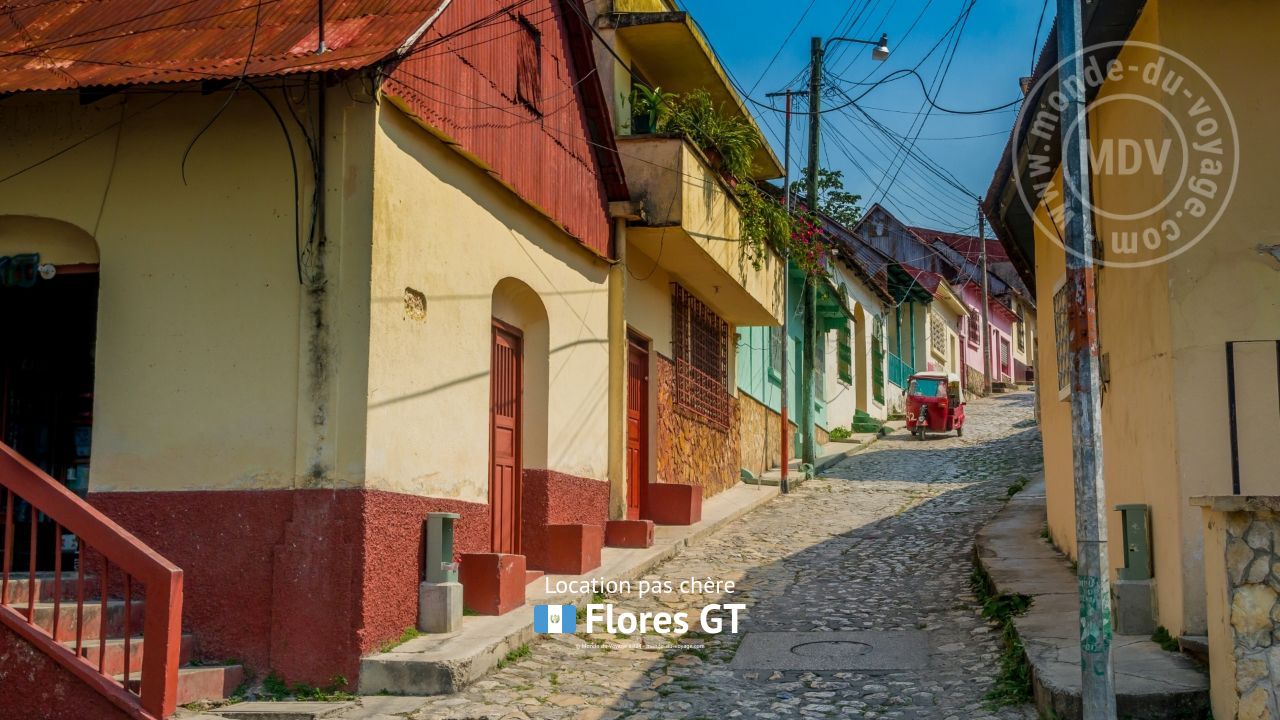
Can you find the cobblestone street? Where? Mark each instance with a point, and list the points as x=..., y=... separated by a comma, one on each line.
x=882, y=541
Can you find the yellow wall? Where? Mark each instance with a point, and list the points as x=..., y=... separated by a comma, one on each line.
x=445, y=229
x=199, y=343
x=1163, y=328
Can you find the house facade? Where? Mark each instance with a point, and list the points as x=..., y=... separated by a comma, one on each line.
x=688, y=286
x=1188, y=378
x=336, y=288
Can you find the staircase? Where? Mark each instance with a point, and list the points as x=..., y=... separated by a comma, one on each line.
x=80, y=629
x=115, y=621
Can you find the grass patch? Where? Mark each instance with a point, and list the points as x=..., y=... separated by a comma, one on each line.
x=1166, y=641
x=1013, y=680
x=1018, y=485
x=468, y=612
x=410, y=633
x=275, y=688
x=840, y=433
x=1044, y=533
x=554, y=678
x=515, y=656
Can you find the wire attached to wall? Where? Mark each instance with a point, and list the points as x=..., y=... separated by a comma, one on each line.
x=244, y=71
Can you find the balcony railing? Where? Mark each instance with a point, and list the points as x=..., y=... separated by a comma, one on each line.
x=63, y=618
x=899, y=371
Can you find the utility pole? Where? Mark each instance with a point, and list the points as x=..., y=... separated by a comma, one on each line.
x=986, y=304
x=809, y=451
x=785, y=438
x=817, y=49
x=1098, y=680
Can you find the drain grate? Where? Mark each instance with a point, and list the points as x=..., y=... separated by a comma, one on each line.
x=862, y=650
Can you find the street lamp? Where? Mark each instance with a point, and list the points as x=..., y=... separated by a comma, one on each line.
x=879, y=48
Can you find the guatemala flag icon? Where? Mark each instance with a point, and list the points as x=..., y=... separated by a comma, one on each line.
x=555, y=619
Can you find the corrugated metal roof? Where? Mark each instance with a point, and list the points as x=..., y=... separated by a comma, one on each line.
x=66, y=44
x=968, y=246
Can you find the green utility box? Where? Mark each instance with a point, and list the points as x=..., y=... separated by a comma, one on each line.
x=439, y=539
x=1136, y=521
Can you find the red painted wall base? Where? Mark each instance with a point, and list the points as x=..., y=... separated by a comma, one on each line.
x=33, y=686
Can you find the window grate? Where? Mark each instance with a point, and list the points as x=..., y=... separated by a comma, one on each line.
x=975, y=327
x=937, y=334
x=700, y=341
x=1062, y=350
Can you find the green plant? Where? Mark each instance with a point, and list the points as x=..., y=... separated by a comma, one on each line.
x=275, y=688
x=650, y=105
x=1013, y=680
x=1166, y=641
x=729, y=141
x=839, y=204
x=1018, y=485
x=515, y=656
x=840, y=433
x=765, y=224
x=410, y=633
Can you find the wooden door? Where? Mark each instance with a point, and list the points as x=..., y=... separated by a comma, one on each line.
x=637, y=426
x=505, y=396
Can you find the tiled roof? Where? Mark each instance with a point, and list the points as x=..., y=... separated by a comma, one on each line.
x=67, y=44
x=967, y=245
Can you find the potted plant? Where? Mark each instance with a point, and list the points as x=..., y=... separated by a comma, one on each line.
x=649, y=109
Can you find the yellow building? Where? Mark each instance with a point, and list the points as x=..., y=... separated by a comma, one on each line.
x=1188, y=299
x=686, y=280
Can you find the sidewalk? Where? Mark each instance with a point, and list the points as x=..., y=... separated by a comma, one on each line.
x=1151, y=684
x=443, y=664
x=831, y=453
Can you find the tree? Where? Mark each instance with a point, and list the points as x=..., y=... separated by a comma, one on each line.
x=837, y=203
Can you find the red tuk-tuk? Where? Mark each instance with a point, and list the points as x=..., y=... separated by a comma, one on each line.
x=935, y=403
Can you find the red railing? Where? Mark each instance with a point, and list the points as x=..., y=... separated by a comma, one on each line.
x=148, y=692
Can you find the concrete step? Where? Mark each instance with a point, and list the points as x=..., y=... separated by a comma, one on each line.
x=283, y=710
x=206, y=682
x=114, y=650
x=94, y=625
x=46, y=586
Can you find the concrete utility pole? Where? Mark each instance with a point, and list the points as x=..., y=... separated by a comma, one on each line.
x=805, y=417
x=986, y=304
x=785, y=438
x=1098, y=680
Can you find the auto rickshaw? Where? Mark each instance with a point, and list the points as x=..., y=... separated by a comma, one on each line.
x=935, y=403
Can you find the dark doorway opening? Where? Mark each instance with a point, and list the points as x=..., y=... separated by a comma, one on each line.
x=46, y=396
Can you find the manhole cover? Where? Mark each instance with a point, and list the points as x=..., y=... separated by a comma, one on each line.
x=858, y=650
x=831, y=648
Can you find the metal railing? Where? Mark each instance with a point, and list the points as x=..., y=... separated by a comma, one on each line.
x=899, y=371
x=1262, y=405
x=44, y=615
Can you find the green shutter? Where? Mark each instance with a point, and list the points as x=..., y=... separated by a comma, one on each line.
x=844, y=355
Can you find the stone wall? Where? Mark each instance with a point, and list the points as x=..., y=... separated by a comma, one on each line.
x=690, y=451
x=761, y=439
x=1242, y=579
x=1253, y=577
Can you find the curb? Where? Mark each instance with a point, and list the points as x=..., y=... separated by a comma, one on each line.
x=1151, y=684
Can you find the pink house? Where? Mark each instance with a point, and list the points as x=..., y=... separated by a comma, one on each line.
x=1002, y=323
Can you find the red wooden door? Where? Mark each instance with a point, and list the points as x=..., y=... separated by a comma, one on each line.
x=505, y=393
x=637, y=426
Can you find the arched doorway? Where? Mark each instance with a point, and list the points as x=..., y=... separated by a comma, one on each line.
x=518, y=389
x=49, y=313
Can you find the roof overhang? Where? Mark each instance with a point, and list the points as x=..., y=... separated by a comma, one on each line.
x=668, y=49
x=1011, y=220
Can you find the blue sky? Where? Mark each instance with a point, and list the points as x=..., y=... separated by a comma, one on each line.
x=995, y=49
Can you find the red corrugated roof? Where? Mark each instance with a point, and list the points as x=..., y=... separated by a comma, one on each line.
x=966, y=245
x=64, y=44
x=924, y=278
